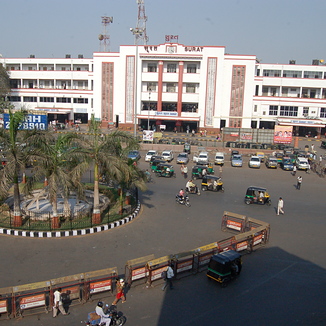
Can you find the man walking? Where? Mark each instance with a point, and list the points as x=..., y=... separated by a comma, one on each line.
x=299, y=181
x=280, y=206
x=169, y=276
x=57, y=305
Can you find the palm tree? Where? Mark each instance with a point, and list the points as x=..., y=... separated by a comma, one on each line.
x=107, y=155
x=59, y=164
x=14, y=143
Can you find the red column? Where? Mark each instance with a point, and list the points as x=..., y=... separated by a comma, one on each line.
x=180, y=84
x=160, y=86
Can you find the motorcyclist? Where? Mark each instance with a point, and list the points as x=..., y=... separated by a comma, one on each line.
x=105, y=318
x=190, y=186
x=181, y=194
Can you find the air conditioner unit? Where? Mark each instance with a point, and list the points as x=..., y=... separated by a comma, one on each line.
x=32, y=56
x=292, y=62
x=80, y=56
x=68, y=56
x=315, y=62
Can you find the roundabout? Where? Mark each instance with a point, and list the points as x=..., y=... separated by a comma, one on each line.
x=274, y=279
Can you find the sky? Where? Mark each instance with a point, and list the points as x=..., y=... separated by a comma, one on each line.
x=276, y=31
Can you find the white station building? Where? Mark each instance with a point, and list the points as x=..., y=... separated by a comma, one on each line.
x=173, y=85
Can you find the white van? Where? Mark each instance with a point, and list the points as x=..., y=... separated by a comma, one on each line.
x=219, y=158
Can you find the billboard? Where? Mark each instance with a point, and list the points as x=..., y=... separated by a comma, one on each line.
x=32, y=121
x=283, y=134
x=148, y=135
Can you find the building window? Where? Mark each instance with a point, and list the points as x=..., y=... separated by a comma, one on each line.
x=289, y=111
x=170, y=88
x=29, y=99
x=191, y=68
x=273, y=110
x=255, y=108
x=63, y=100
x=292, y=73
x=152, y=67
x=190, y=88
x=323, y=112
x=81, y=100
x=305, y=111
x=312, y=74
x=189, y=107
x=171, y=67
x=168, y=106
x=271, y=73
x=14, y=98
x=151, y=87
x=46, y=99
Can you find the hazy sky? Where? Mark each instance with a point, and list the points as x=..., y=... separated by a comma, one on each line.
x=275, y=31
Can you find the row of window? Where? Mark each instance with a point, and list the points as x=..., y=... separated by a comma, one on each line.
x=292, y=111
x=292, y=74
x=43, y=99
x=171, y=87
x=170, y=106
x=172, y=67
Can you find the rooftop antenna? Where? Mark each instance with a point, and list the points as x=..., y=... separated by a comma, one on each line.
x=141, y=21
x=105, y=37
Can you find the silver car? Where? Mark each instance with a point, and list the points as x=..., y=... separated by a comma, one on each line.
x=183, y=158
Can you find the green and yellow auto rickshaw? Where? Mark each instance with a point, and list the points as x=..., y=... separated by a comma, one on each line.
x=165, y=170
x=154, y=164
x=212, y=183
x=257, y=195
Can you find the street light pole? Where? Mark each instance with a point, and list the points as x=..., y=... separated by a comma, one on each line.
x=149, y=107
x=137, y=32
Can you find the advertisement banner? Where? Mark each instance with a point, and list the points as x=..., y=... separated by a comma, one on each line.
x=32, y=301
x=184, y=266
x=32, y=121
x=283, y=134
x=234, y=225
x=139, y=273
x=148, y=135
x=3, y=306
x=100, y=286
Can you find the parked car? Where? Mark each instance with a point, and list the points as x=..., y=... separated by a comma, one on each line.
x=302, y=163
x=254, y=162
x=149, y=155
x=202, y=158
x=134, y=155
x=236, y=160
x=287, y=164
x=168, y=155
x=271, y=162
x=182, y=158
x=156, y=157
x=219, y=158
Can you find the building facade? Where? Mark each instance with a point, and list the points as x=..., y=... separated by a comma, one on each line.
x=172, y=86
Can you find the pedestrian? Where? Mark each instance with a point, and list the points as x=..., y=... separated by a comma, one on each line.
x=120, y=284
x=299, y=181
x=312, y=147
x=193, y=133
x=320, y=159
x=185, y=171
x=182, y=168
x=294, y=171
x=168, y=279
x=221, y=170
x=280, y=205
x=57, y=303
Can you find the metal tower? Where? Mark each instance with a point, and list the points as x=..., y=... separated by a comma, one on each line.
x=105, y=37
x=141, y=21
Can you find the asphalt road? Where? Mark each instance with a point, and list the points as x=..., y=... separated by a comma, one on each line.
x=281, y=284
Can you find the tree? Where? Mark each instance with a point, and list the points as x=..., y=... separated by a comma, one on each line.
x=107, y=154
x=4, y=88
x=14, y=143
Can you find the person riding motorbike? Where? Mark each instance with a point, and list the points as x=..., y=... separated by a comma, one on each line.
x=190, y=186
x=181, y=194
x=105, y=318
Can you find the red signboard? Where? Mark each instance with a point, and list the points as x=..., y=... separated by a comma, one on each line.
x=100, y=286
x=3, y=306
x=156, y=273
x=138, y=273
x=234, y=225
x=242, y=246
x=184, y=266
x=32, y=301
x=203, y=260
x=258, y=239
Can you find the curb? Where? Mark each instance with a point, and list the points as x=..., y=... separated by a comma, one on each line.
x=72, y=233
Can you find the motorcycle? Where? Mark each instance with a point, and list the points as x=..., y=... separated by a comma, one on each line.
x=183, y=201
x=117, y=318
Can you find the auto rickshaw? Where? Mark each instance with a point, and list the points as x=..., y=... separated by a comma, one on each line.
x=257, y=195
x=187, y=148
x=212, y=183
x=197, y=171
x=165, y=170
x=155, y=163
x=224, y=266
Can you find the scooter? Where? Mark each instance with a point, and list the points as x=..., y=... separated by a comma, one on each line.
x=185, y=201
x=117, y=318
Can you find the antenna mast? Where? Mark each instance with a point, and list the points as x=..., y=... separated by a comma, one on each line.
x=141, y=21
x=105, y=37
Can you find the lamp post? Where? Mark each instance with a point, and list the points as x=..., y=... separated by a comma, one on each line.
x=137, y=32
x=149, y=106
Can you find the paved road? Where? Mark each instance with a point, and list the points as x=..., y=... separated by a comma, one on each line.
x=282, y=284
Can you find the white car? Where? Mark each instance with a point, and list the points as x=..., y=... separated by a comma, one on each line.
x=302, y=163
x=149, y=155
x=254, y=162
x=168, y=155
x=202, y=158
